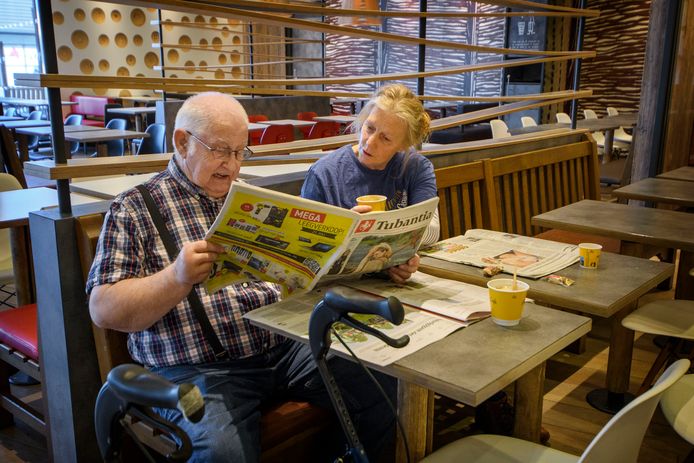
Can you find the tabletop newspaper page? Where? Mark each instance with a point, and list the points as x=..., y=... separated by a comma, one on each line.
x=459, y=303
x=530, y=257
x=294, y=242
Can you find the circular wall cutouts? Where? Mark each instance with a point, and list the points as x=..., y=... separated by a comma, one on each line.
x=131, y=60
x=79, y=39
x=222, y=58
x=121, y=40
x=151, y=59
x=79, y=14
x=172, y=56
x=116, y=16
x=104, y=65
x=122, y=72
x=64, y=53
x=103, y=40
x=86, y=66
x=219, y=74
x=138, y=17
x=98, y=15
x=58, y=18
x=137, y=40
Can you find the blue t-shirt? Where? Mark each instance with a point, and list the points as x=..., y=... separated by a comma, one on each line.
x=339, y=178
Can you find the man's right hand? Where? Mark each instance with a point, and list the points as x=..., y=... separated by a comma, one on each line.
x=195, y=260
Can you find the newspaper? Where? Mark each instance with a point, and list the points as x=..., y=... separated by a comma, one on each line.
x=290, y=318
x=460, y=301
x=294, y=242
x=530, y=257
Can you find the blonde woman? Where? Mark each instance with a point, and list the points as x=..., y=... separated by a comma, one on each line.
x=383, y=162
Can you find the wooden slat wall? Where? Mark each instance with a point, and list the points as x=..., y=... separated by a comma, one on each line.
x=618, y=36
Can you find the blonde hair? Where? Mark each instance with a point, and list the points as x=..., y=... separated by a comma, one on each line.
x=399, y=100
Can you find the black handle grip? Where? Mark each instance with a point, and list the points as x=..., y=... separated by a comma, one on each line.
x=137, y=385
x=350, y=300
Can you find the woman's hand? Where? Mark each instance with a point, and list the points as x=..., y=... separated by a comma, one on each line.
x=361, y=209
x=400, y=273
x=195, y=260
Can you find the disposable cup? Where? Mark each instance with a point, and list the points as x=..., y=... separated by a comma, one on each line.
x=506, y=302
x=377, y=202
x=589, y=255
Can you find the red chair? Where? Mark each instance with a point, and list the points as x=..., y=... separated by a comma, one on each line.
x=277, y=134
x=324, y=129
x=254, y=135
x=306, y=116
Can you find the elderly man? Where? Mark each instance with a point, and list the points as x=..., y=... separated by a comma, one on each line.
x=134, y=287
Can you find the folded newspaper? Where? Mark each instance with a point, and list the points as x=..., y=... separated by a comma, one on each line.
x=294, y=242
x=530, y=257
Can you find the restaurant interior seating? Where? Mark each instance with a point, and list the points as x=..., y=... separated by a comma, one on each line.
x=109, y=115
x=499, y=129
x=11, y=111
x=528, y=121
x=116, y=147
x=33, y=140
x=10, y=158
x=18, y=338
x=323, y=129
x=563, y=118
x=677, y=405
x=306, y=116
x=74, y=119
x=254, y=135
x=671, y=318
x=619, y=440
x=277, y=134
x=620, y=134
x=155, y=143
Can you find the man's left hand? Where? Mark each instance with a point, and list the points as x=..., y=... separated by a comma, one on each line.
x=402, y=272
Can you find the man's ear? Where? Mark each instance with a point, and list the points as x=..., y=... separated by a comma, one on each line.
x=181, y=142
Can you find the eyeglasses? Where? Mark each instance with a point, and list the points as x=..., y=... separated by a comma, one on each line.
x=224, y=153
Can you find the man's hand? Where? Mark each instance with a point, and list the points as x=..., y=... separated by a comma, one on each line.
x=402, y=272
x=195, y=260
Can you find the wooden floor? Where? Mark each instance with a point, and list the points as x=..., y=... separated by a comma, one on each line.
x=571, y=422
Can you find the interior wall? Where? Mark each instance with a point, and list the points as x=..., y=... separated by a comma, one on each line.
x=618, y=36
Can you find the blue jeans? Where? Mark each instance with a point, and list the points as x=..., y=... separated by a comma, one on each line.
x=235, y=391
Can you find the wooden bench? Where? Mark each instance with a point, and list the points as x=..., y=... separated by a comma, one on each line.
x=291, y=431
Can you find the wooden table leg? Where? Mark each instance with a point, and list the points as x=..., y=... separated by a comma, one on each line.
x=609, y=142
x=416, y=412
x=528, y=397
x=615, y=396
x=20, y=245
x=101, y=149
x=684, y=288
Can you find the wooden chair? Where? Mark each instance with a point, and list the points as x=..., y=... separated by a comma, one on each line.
x=290, y=431
x=464, y=200
x=277, y=134
x=9, y=156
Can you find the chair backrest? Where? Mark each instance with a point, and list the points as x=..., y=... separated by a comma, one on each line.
x=677, y=404
x=464, y=201
x=9, y=157
x=11, y=111
x=257, y=118
x=306, y=116
x=499, y=128
x=73, y=119
x=156, y=142
x=277, y=134
x=612, y=111
x=111, y=346
x=589, y=114
x=323, y=129
x=254, y=136
x=7, y=183
x=528, y=121
x=35, y=115
x=620, y=439
x=563, y=118
x=116, y=147
x=109, y=115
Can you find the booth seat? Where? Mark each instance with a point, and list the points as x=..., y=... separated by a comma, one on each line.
x=91, y=108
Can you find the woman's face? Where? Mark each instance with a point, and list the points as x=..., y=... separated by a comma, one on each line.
x=382, y=135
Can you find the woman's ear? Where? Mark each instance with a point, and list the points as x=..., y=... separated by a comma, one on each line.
x=181, y=142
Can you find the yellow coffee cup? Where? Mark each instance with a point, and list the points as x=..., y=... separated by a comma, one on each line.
x=506, y=302
x=377, y=202
x=589, y=255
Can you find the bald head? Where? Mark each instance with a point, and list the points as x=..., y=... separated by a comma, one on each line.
x=211, y=112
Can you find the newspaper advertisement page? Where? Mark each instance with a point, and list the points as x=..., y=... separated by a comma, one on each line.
x=293, y=242
x=385, y=239
x=291, y=318
x=461, y=301
x=275, y=237
x=530, y=257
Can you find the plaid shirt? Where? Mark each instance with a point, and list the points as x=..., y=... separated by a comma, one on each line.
x=129, y=247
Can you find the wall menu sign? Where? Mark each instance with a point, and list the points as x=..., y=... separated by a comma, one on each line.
x=527, y=32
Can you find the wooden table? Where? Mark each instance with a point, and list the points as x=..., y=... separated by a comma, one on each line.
x=110, y=187
x=659, y=190
x=294, y=122
x=136, y=112
x=683, y=173
x=10, y=118
x=340, y=119
x=12, y=125
x=473, y=364
x=100, y=136
x=607, y=292
x=14, y=214
x=46, y=131
x=644, y=225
